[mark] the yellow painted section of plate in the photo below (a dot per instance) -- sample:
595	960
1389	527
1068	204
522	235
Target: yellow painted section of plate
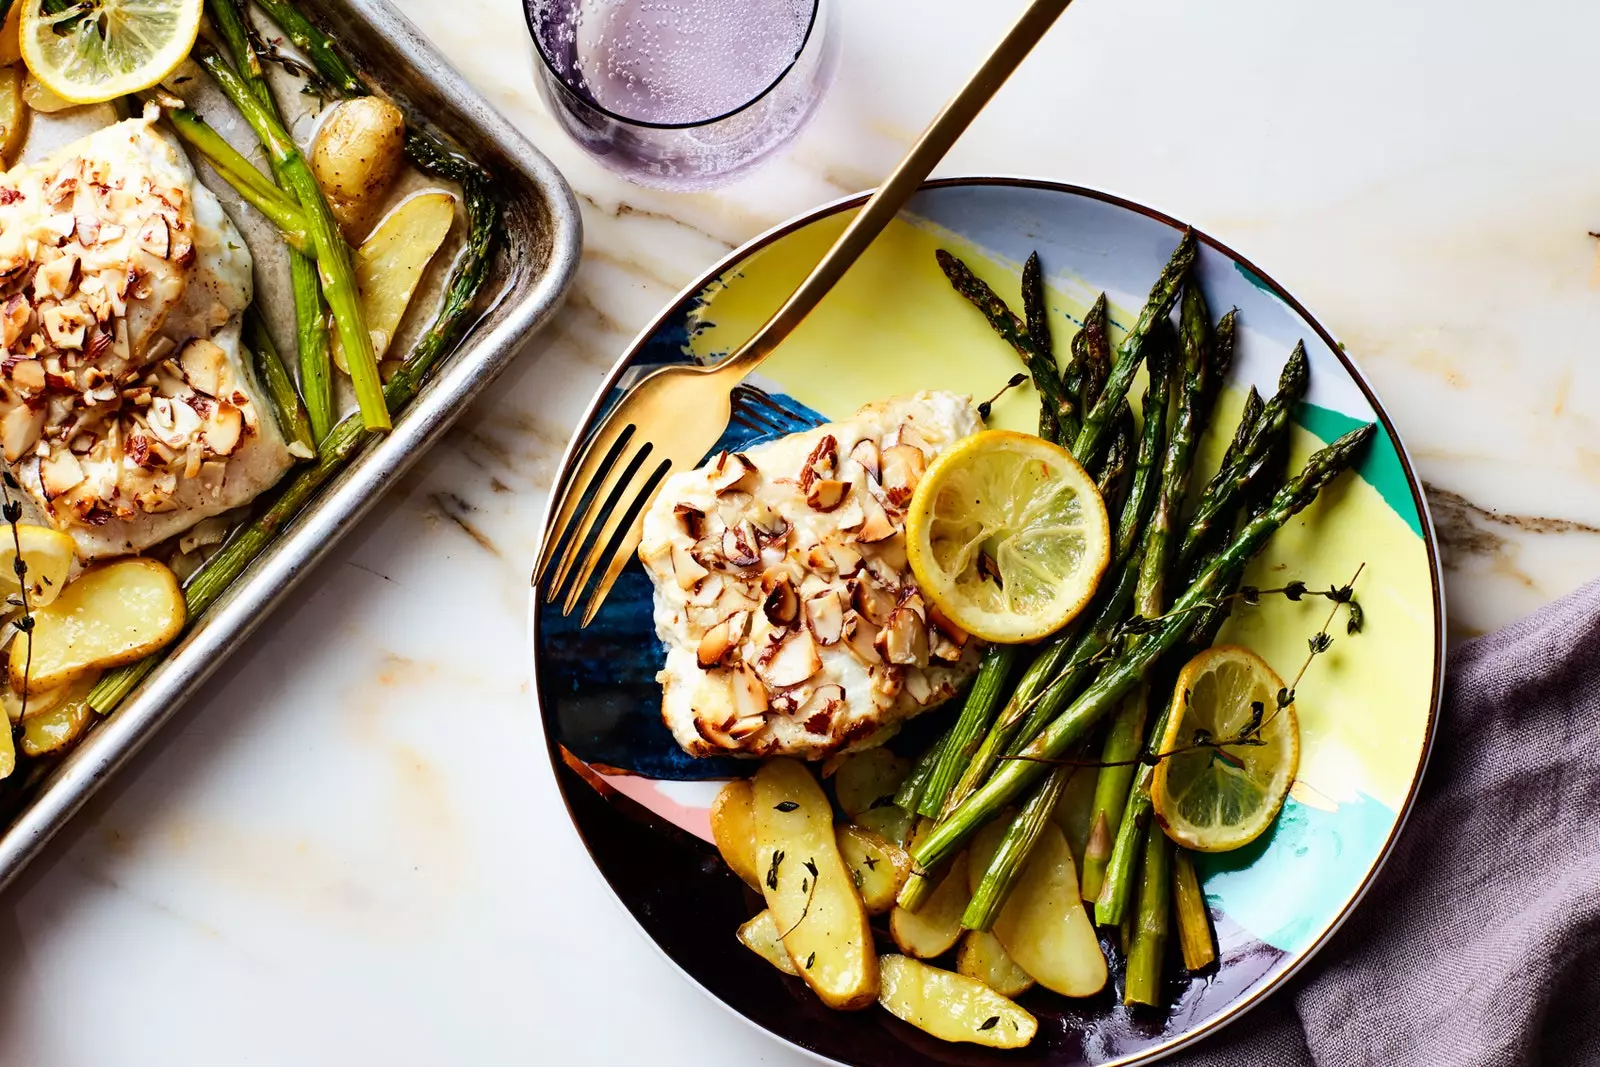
878	333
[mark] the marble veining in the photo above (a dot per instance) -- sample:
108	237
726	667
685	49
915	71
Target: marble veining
349	848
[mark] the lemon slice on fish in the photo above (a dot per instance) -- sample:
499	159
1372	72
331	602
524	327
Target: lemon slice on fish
1008	536
94	50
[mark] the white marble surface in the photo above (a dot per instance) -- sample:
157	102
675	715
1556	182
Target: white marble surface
351	850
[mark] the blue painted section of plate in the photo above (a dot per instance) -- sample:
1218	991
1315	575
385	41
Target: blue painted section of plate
598	684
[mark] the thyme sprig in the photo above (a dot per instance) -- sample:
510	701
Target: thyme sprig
1250	734
810	891
315	84
12	512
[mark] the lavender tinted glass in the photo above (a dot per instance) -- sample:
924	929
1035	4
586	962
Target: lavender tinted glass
683	94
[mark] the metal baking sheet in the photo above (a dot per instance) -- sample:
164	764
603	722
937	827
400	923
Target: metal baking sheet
534	265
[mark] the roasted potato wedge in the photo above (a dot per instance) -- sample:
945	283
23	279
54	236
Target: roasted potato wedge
1073	810
760	935
63	723
879	868
952	1007
356	158
39	701
13	114
933	929
39	98
981	850
983	957
108	616
1043	925
389	264
734	830
889	821
868	780
808	888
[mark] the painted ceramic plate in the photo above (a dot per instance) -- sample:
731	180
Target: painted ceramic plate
1367	708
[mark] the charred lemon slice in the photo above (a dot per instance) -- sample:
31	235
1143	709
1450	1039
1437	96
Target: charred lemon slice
95	50
1008	536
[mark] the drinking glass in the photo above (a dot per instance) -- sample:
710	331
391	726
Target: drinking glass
683	94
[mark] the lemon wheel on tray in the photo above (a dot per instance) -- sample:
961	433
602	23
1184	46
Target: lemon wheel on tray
1214	799
1007	534
94	50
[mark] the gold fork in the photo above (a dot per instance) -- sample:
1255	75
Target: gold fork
672	417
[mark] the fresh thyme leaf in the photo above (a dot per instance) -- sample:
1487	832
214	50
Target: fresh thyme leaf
805	884
1295	590
871	862
1320	643
990	1022
812	867
785	805
1357	618
881	802
1249	594
772	872
810	960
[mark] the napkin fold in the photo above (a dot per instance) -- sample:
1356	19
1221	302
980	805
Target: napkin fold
1479	943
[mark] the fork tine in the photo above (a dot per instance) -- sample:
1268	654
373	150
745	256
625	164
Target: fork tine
588	475
612	522
753	408
624	542
766	405
587	537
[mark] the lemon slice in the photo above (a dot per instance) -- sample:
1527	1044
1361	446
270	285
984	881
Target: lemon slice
1218	798
48	554
96	50
1008	536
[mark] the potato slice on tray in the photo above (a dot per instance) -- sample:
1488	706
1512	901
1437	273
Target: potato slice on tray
356	157
108	616
809	890
760	935
63	723
389	264
733	828
952	1007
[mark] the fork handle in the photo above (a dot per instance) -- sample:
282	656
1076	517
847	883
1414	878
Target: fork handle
902	182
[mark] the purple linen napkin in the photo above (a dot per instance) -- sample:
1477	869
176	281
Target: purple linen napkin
1479	944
